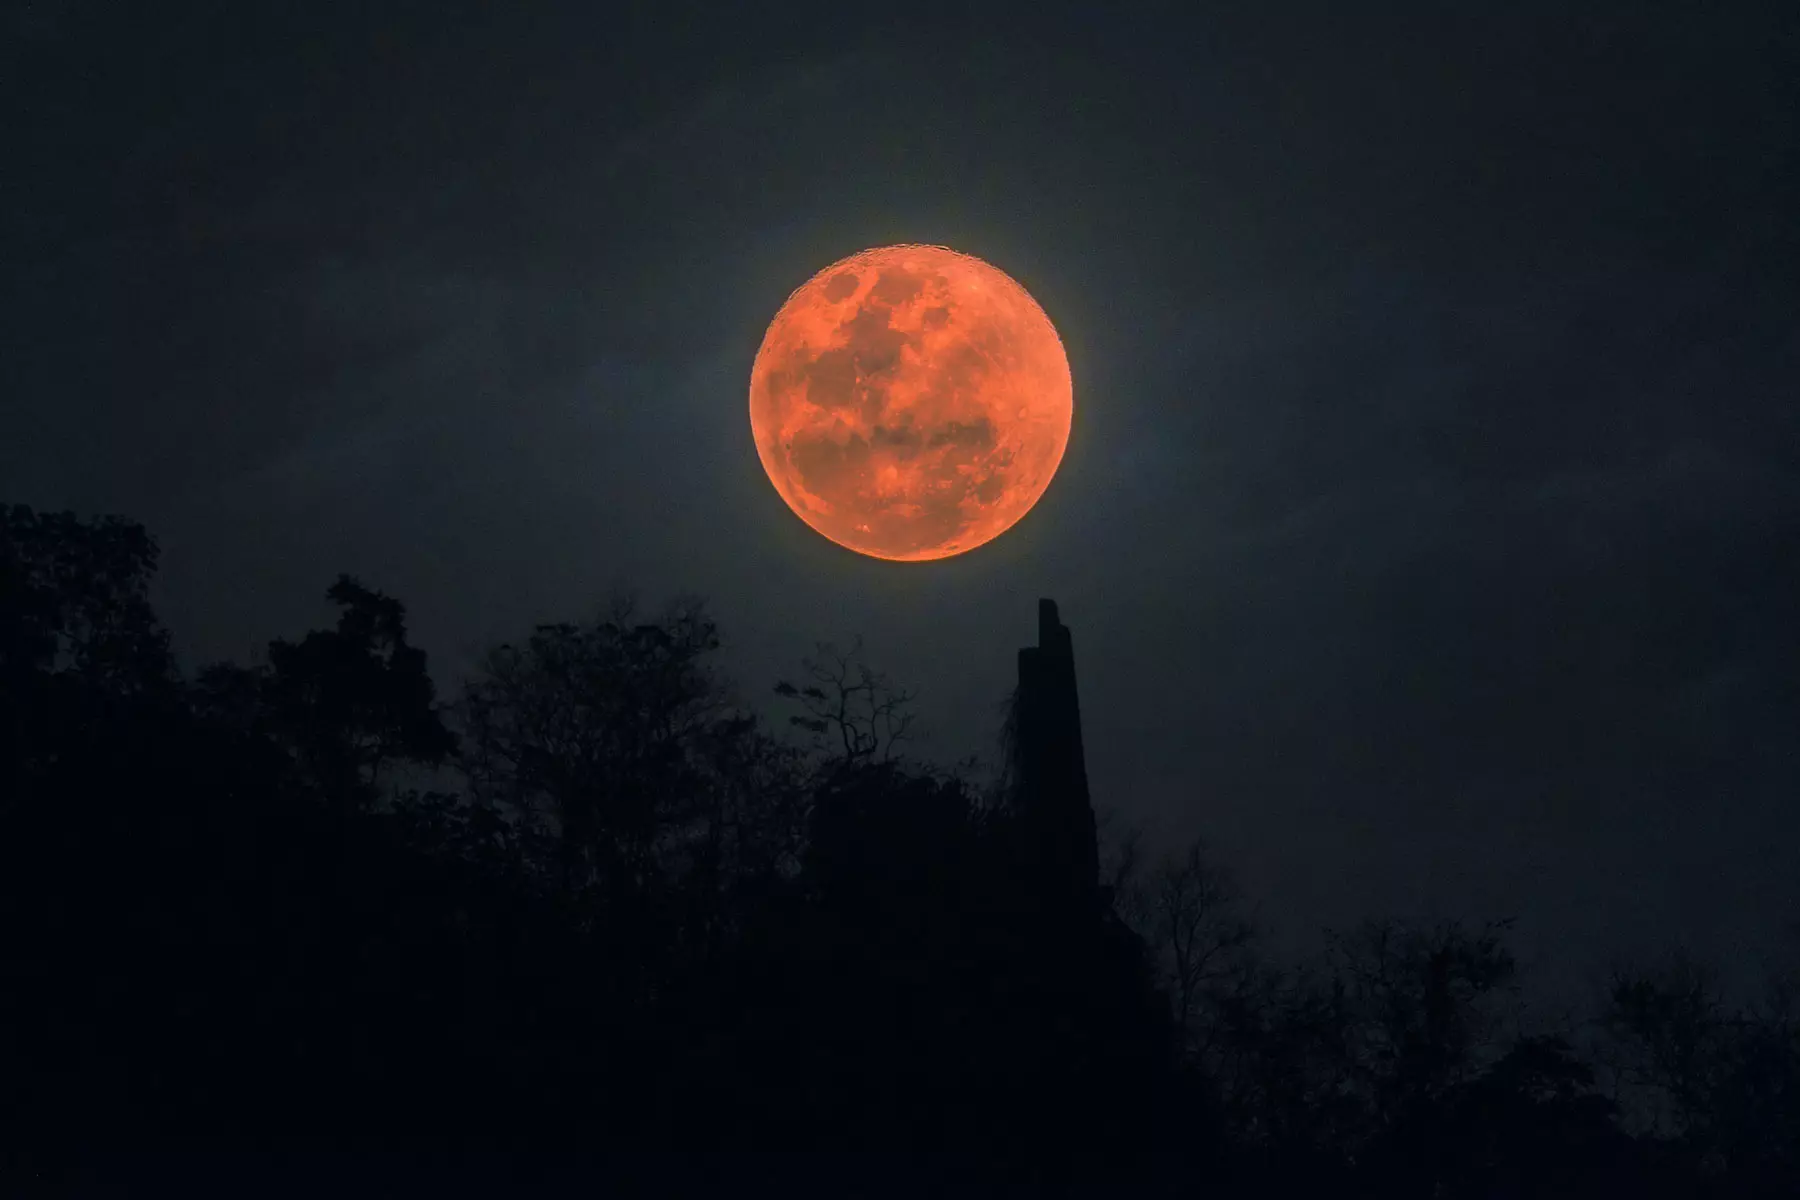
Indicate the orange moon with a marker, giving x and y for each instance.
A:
(911, 402)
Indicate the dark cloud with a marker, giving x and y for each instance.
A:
(1431, 525)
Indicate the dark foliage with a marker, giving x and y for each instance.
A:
(595, 904)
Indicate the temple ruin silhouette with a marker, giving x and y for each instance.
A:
(1055, 811)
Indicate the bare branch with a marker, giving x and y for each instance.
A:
(855, 713)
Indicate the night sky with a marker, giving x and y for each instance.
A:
(1430, 529)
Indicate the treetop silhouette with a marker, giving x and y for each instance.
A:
(630, 910)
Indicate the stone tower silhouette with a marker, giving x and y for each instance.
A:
(1054, 808)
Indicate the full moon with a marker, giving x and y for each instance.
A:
(911, 402)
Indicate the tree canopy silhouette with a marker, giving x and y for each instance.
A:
(595, 899)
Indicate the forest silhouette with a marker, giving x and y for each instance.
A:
(593, 900)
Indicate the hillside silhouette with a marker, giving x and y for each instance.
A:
(590, 901)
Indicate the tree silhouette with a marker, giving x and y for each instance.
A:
(599, 902)
(1722, 1082)
(854, 712)
(343, 702)
(1187, 910)
(74, 601)
(588, 733)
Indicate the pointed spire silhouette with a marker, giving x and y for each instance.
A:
(1053, 789)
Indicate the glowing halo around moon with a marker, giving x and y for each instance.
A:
(911, 402)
